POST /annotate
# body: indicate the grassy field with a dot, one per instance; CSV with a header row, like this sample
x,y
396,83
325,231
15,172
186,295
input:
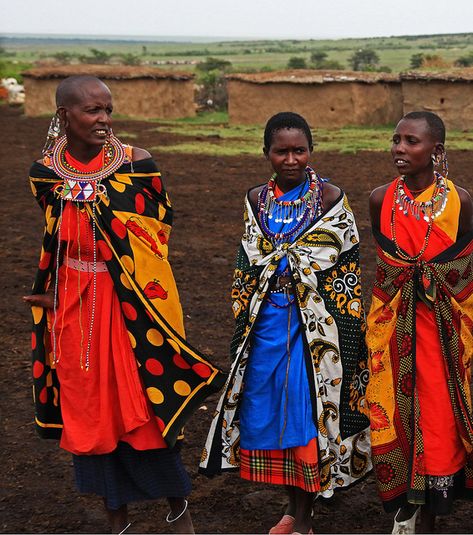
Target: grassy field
x,y
210,133
394,52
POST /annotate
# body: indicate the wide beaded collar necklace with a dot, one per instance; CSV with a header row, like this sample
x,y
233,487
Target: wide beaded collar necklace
x,y
83,186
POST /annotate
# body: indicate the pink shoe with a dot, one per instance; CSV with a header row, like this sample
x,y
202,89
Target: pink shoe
x,y
310,532
284,526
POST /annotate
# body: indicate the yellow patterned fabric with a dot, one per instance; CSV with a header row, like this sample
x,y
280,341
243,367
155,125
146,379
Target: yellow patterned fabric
x,y
133,224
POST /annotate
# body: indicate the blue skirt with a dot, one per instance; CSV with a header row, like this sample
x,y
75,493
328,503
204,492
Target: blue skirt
x,y
127,475
276,408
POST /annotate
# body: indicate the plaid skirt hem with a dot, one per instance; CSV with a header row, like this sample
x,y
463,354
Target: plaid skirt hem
x,y
280,467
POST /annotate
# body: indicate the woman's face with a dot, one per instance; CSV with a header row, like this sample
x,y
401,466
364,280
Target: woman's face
x,y
413,146
289,155
88,121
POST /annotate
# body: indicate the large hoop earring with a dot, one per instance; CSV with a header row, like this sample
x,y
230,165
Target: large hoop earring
x,y
53,133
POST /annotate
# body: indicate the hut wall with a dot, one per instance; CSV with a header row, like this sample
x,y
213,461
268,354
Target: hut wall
x,y
453,101
39,96
141,98
323,105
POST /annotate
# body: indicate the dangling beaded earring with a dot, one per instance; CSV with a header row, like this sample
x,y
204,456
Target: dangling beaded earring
x,y
53,133
444,164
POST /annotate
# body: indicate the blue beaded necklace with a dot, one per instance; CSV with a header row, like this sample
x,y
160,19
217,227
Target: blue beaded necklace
x,y
302,210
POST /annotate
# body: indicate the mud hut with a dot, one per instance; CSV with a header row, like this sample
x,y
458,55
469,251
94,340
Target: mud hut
x,y
447,93
324,98
141,92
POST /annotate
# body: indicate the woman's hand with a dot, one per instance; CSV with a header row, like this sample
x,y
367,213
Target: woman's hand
x,y
40,300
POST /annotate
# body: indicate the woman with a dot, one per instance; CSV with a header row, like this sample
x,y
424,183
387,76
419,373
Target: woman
x,y
290,412
114,378
420,330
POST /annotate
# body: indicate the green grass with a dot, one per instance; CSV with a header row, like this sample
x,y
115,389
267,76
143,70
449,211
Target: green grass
x,y
394,52
126,135
201,136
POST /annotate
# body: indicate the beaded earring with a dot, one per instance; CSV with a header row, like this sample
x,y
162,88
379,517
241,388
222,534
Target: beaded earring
x,y
444,164
53,133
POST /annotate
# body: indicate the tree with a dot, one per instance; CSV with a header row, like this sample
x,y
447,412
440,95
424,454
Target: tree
x,y
417,61
214,64
98,56
296,63
364,60
317,57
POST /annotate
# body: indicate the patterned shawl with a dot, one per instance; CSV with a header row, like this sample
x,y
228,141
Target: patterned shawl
x,y
132,228
446,282
324,264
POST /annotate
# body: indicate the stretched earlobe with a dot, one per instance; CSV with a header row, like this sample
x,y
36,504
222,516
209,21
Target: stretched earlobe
x,y
53,133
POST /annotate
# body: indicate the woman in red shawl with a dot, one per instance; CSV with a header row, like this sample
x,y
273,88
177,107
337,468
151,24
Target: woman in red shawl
x,y
420,330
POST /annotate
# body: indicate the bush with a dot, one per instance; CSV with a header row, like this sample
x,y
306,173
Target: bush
x,y
13,69
296,63
214,64
318,57
98,56
417,61
364,60
434,61
130,59
465,61
212,90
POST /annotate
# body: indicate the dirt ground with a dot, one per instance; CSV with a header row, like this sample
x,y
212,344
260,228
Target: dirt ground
x,y
37,492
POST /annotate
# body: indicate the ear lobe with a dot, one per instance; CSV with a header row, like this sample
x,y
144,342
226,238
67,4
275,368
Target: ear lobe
x,y
265,152
439,149
62,114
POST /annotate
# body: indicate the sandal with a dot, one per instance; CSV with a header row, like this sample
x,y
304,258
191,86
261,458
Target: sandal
x,y
284,526
405,527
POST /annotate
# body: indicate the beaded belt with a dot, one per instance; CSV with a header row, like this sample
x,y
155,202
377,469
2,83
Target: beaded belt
x,y
81,265
280,284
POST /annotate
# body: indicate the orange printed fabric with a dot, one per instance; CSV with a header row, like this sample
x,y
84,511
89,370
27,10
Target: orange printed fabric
x,y
420,345
133,224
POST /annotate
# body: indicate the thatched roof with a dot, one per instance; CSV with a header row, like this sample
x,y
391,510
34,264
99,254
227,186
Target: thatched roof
x,y
452,75
303,76
107,72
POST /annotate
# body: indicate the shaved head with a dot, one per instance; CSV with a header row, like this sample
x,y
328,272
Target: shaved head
x,y
434,123
72,89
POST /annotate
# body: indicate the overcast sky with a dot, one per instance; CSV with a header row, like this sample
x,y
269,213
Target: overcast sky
x,y
295,19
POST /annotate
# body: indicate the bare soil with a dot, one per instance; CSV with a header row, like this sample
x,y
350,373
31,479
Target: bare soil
x,y
37,492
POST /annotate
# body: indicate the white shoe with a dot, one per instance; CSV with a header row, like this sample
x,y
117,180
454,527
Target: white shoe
x,y
405,527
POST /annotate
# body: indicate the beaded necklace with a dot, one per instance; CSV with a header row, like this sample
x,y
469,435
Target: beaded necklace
x,y
302,210
82,186
429,209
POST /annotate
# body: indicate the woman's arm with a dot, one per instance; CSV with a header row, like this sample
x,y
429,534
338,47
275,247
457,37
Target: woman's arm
x,y
465,224
375,203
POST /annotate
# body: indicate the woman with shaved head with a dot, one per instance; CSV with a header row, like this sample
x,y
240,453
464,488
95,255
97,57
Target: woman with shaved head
x,y
420,330
114,378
